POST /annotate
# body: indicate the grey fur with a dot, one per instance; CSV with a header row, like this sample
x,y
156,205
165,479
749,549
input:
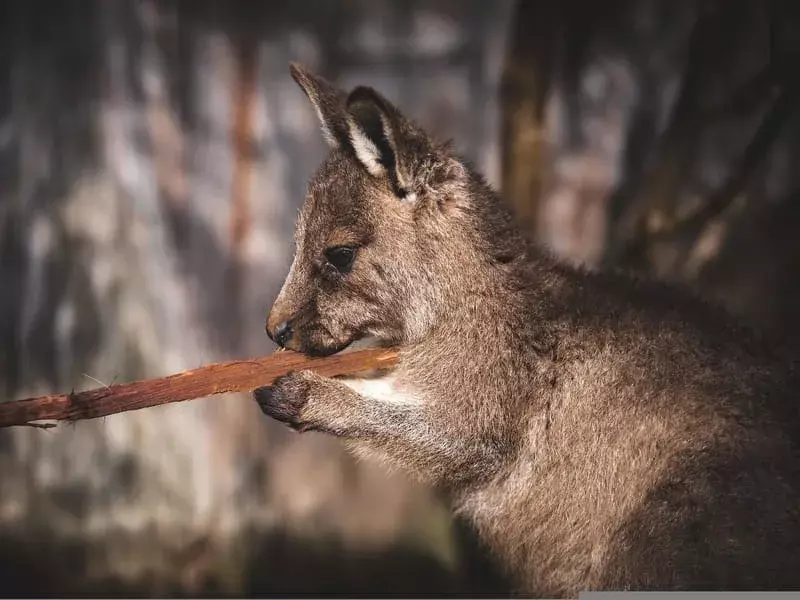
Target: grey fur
x,y
599,431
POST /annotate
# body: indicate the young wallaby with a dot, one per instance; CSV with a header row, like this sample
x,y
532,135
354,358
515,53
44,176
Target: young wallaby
x,y
600,432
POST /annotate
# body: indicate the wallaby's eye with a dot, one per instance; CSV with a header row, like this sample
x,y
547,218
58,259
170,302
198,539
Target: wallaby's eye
x,y
341,258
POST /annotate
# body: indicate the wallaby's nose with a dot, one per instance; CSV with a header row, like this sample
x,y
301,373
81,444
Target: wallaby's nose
x,y
282,334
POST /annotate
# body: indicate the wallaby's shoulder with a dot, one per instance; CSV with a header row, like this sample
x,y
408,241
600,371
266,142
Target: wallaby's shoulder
x,y
613,298
621,301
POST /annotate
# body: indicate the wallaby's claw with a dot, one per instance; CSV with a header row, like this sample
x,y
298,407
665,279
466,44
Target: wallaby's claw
x,y
285,399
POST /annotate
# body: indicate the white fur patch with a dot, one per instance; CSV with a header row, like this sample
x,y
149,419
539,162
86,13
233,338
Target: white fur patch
x,y
387,131
366,151
381,389
410,198
327,134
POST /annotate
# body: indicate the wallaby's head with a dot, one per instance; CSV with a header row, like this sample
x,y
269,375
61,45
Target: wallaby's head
x,y
391,228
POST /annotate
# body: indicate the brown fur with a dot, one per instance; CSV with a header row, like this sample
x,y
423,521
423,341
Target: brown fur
x,y
600,432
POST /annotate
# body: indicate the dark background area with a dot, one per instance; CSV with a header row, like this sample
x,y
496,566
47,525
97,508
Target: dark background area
x,y
153,155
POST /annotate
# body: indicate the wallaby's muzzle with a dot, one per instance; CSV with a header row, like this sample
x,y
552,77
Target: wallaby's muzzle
x,y
281,334
305,332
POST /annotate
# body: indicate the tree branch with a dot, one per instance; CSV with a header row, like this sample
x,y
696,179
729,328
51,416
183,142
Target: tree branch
x,y
209,380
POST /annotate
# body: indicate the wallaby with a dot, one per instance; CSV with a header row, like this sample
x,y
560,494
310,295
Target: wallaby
x,y
600,431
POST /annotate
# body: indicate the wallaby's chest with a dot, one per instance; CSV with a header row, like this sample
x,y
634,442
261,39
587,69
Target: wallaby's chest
x,y
386,388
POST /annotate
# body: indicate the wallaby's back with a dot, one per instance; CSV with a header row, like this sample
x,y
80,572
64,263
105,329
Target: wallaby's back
x,y
666,456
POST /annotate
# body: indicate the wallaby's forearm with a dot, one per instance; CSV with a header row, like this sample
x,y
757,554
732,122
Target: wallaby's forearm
x,y
401,427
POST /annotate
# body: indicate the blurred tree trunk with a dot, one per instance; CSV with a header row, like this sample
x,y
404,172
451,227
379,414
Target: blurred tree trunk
x,y
672,130
524,89
153,156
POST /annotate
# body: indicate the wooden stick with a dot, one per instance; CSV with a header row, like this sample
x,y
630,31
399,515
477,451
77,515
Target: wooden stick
x,y
209,380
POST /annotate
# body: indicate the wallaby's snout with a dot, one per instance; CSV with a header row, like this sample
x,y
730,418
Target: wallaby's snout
x,y
290,310
312,313
281,333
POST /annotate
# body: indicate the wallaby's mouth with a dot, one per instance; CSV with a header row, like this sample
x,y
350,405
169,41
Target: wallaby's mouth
x,y
322,351
363,343
359,342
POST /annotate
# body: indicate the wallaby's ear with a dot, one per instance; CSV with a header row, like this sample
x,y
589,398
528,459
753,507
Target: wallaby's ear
x,y
328,103
377,133
363,124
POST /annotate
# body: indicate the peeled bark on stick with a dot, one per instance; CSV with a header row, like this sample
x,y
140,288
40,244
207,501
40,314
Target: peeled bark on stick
x,y
209,380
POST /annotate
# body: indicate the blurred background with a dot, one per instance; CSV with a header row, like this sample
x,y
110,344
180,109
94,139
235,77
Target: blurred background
x,y
153,155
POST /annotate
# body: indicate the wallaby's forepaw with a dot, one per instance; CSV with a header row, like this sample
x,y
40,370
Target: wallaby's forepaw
x,y
285,399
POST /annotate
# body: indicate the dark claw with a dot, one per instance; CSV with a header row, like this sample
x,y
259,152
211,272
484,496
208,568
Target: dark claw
x,y
283,401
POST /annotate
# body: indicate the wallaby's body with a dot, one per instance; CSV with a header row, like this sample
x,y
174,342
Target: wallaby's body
x,y
599,432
